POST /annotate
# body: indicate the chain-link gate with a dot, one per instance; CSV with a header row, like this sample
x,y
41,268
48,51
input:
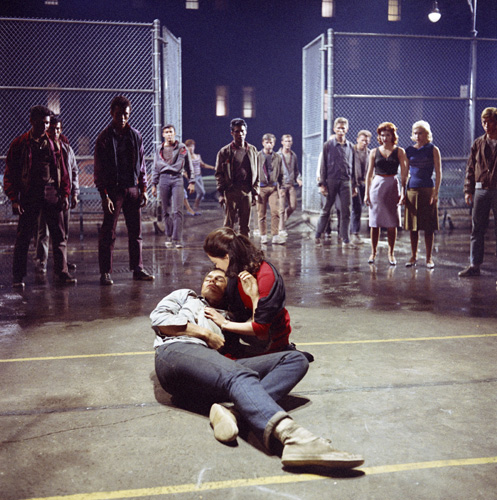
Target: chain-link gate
x,y
373,78
171,60
75,68
312,118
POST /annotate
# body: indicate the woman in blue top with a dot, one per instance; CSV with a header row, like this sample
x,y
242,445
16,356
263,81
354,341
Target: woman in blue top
x,y
421,211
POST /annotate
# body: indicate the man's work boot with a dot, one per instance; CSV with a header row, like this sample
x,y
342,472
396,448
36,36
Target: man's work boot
x,y
301,448
223,421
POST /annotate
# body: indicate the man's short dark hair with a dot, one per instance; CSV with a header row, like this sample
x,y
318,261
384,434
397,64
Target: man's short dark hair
x,y
120,102
39,112
169,125
237,122
214,269
54,119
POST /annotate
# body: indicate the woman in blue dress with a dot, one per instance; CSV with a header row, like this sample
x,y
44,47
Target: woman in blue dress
x,y
421,211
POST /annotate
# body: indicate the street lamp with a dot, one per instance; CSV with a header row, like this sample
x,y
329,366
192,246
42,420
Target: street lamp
x,y
435,15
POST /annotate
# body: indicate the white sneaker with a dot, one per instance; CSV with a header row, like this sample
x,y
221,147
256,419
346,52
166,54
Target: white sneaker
x,y
301,448
256,232
357,240
169,244
264,239
348,244
318,452
223,422
283,234
278,240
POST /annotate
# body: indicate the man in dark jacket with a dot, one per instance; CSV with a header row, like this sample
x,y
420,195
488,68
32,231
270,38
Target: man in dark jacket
x,y
64,154
237,177
337,180
480,188
270,180
37,184
121,180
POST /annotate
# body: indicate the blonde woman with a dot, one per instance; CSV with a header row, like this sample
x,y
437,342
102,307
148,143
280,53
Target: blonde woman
x,y
384,195
421,212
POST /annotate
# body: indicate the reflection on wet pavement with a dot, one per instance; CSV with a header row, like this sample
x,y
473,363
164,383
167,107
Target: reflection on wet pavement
x,y
319,277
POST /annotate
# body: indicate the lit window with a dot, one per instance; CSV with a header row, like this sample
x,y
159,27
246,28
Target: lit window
x,y
248,102
192,4
222,101
327,8
51,2
394,10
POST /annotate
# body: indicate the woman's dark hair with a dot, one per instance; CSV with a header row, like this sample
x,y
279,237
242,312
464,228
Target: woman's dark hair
x,y
243,254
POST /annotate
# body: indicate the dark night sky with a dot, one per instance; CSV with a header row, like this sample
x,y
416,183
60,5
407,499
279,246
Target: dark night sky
x,y
257,43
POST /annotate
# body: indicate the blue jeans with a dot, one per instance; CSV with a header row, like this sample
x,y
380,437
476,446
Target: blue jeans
x,y
343,190
254,385
357,202
484,200
172,193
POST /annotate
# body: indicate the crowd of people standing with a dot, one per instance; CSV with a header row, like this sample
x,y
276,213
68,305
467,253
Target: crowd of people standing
x,y
231,344
41,180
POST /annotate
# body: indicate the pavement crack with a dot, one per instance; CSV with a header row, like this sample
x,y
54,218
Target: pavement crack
x,y
72,429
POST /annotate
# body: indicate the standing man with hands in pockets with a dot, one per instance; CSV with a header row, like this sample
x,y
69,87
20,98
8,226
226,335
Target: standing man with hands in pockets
x,y
480,188
171,159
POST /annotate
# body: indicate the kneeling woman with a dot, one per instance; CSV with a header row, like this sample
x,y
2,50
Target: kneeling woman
x,y
255,295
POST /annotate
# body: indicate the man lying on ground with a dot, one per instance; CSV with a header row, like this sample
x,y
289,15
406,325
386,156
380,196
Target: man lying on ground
x,y
189,364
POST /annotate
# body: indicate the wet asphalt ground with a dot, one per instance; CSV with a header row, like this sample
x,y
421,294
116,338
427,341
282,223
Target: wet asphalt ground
x,y
404,374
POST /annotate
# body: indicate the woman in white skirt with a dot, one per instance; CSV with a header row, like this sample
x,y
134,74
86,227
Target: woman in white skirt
x,y
384,195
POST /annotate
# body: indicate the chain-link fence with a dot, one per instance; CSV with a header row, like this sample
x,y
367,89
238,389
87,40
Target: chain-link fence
x,y
75,68
374,78
312,123
171,60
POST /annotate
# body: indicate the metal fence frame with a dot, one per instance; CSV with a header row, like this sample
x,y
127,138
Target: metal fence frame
x,y
313,75
481,91
145,65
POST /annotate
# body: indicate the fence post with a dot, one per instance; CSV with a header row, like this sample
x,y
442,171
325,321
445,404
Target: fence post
x,y
157,84
472,79
330,86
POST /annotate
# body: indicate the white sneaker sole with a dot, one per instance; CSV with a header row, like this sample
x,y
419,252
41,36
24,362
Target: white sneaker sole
x,y
337,460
